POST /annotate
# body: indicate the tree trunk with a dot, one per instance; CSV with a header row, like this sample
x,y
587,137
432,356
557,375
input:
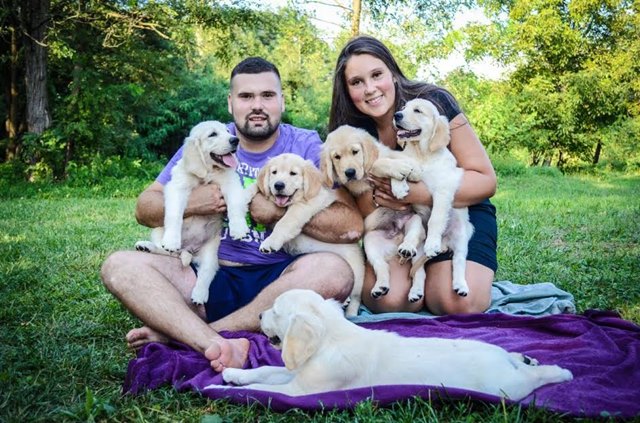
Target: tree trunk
x,y
36,16
355,17
596,155
12,87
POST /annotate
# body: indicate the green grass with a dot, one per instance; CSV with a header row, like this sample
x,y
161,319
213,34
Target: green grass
x,y
62,351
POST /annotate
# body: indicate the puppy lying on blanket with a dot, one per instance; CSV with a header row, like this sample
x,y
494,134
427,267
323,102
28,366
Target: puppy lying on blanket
x,y
323,351
294,183
348,155
207,158
423,134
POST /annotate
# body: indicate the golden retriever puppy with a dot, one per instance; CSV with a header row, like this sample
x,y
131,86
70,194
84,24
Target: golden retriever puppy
x,y
294,183
348,155
423,134
208,157
322,351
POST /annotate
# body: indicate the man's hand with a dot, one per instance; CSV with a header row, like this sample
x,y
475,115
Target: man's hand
x,y
204,200
264,211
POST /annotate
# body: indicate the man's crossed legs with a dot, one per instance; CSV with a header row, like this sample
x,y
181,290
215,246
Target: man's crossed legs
x,y
157,289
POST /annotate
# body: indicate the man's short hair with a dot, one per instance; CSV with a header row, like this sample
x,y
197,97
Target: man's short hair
x,y
253,65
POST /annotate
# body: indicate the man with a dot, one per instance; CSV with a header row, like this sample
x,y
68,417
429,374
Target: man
x,y
157,288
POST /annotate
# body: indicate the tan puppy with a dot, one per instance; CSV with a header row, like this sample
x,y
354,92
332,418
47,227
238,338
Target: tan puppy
x,y
423,134
323,352
348,155
208,157
294,183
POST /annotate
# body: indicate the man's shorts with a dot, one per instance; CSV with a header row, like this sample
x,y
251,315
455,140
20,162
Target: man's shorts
x,y
234,287
484,242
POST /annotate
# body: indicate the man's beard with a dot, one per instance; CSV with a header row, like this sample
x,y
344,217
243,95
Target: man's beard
x,y
257,134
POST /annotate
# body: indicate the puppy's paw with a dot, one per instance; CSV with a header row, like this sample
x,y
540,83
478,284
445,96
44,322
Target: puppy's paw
x,y
200,294
146,246
432,249
346,303
415,294
171,245
239,230
352,307
461,288
399,188
407,251
401,170
269,245
380,289
234,376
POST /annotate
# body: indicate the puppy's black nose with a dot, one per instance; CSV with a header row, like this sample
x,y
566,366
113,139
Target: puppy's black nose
x,y
260,316
397,115
234,141
350,173
279,185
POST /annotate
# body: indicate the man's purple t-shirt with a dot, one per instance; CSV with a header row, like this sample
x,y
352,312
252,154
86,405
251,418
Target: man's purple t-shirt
x,y
303,142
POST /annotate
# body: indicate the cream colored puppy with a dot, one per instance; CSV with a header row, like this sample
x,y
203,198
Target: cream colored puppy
x,y
208,157
322,351
294,183
348,155
423,134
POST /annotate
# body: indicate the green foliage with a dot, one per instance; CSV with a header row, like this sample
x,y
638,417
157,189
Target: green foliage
x,y
129,79
573,81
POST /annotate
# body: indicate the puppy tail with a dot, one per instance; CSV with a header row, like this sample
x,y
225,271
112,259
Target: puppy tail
x,y
417,265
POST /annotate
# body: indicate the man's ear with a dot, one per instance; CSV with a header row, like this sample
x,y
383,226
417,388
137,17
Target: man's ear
x,y
304,336
441,135
194,161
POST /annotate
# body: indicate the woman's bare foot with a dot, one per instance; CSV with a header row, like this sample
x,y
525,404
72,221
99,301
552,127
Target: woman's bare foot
x,y
227,353
139,337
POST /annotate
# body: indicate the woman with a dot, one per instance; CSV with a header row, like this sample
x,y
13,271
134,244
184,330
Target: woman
x,y
368,89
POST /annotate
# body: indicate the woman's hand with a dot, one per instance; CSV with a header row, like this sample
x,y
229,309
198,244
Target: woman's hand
x,y
383,196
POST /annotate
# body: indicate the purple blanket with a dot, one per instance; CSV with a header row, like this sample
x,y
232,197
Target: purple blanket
x,y
601,349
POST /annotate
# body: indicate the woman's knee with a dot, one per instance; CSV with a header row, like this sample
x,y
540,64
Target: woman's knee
x,y
440,298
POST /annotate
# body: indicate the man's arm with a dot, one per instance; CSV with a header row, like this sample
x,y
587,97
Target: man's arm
x,y
340,223
203,200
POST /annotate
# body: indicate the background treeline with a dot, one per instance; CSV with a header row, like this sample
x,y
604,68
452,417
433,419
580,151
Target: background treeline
x,y
102,87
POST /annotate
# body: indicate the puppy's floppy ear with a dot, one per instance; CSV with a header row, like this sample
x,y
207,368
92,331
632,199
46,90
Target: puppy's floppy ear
x,y
193,156
262,181
303,337
326,168
441,135
370,151
312,180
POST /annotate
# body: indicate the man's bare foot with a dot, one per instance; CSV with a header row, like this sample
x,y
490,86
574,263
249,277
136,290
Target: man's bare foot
x,y
227,353
139,337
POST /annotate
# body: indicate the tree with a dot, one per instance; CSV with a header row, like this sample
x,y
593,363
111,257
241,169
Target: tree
x,y
567,54
35,19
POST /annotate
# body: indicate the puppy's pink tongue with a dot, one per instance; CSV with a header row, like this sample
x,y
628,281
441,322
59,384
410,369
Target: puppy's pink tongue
x,y
230,160
282,200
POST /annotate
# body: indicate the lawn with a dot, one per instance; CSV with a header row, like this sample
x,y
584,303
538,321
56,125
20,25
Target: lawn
x,y
62,351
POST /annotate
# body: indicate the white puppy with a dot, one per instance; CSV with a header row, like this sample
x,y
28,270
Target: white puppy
x,y
322,352
208,157
294,183
423,134
348,155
